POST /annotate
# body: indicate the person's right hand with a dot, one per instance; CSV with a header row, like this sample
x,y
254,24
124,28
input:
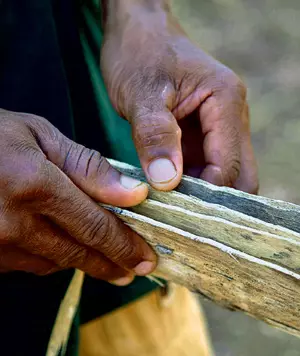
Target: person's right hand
x,y
49,218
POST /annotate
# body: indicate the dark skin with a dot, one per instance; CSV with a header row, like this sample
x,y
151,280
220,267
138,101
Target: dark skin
x,y
188,114
49,218
176,97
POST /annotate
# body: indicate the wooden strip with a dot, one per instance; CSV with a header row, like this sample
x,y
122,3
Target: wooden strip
x,y
57,345
239,250
271,211
223,274
199,206
284,251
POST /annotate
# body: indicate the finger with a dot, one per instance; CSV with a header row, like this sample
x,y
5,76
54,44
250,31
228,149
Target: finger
x,y
157,139
248,179
50,242
221,126
15,259
90,171
92,226
76,213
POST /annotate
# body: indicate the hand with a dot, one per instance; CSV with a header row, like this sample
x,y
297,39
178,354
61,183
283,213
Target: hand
x,y
188,111
49,219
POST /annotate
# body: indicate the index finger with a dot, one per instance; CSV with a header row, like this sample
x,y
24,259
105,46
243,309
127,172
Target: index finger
x,y
93,226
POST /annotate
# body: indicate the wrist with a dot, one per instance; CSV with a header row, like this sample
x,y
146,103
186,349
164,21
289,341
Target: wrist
x,y
119,12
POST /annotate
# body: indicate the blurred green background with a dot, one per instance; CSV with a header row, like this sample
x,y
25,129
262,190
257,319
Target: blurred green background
x,y
260,40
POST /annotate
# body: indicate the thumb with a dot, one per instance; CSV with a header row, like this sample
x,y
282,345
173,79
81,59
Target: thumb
x,y
89,170
157,139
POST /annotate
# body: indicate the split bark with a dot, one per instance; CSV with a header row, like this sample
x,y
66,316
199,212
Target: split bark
x,y
239,250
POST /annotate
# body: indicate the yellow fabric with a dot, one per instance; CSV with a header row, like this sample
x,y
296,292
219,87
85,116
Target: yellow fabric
x,y
155,325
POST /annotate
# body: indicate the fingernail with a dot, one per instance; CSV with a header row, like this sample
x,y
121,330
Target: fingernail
x,y
216,177
123,281
161,170
129,183
144,268
213,175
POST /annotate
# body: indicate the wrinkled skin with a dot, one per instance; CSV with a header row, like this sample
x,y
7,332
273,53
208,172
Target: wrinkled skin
x,y
48,220
188,114
182,104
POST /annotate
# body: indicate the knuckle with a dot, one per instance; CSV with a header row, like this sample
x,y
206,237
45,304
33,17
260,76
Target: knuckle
x,y
236,85
100,232
122,250
73,257
23,175
154,139
105,235
30,119
19,117
241,89
80,159
102,165
41,129
128,254
71,154
157,132
36,180
234,171
142,82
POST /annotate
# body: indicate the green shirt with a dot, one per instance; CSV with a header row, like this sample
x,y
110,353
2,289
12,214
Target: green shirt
x,y
49,66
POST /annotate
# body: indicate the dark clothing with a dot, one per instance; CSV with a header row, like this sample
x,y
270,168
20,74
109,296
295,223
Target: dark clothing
x,y
49,66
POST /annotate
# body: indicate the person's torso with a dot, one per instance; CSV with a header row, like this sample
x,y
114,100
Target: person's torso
x,y
49,66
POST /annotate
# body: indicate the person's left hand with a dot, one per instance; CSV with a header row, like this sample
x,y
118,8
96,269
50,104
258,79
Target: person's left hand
x,y
188,111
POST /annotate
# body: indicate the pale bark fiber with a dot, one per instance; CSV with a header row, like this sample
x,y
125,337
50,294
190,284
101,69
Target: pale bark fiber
x,y
239,250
